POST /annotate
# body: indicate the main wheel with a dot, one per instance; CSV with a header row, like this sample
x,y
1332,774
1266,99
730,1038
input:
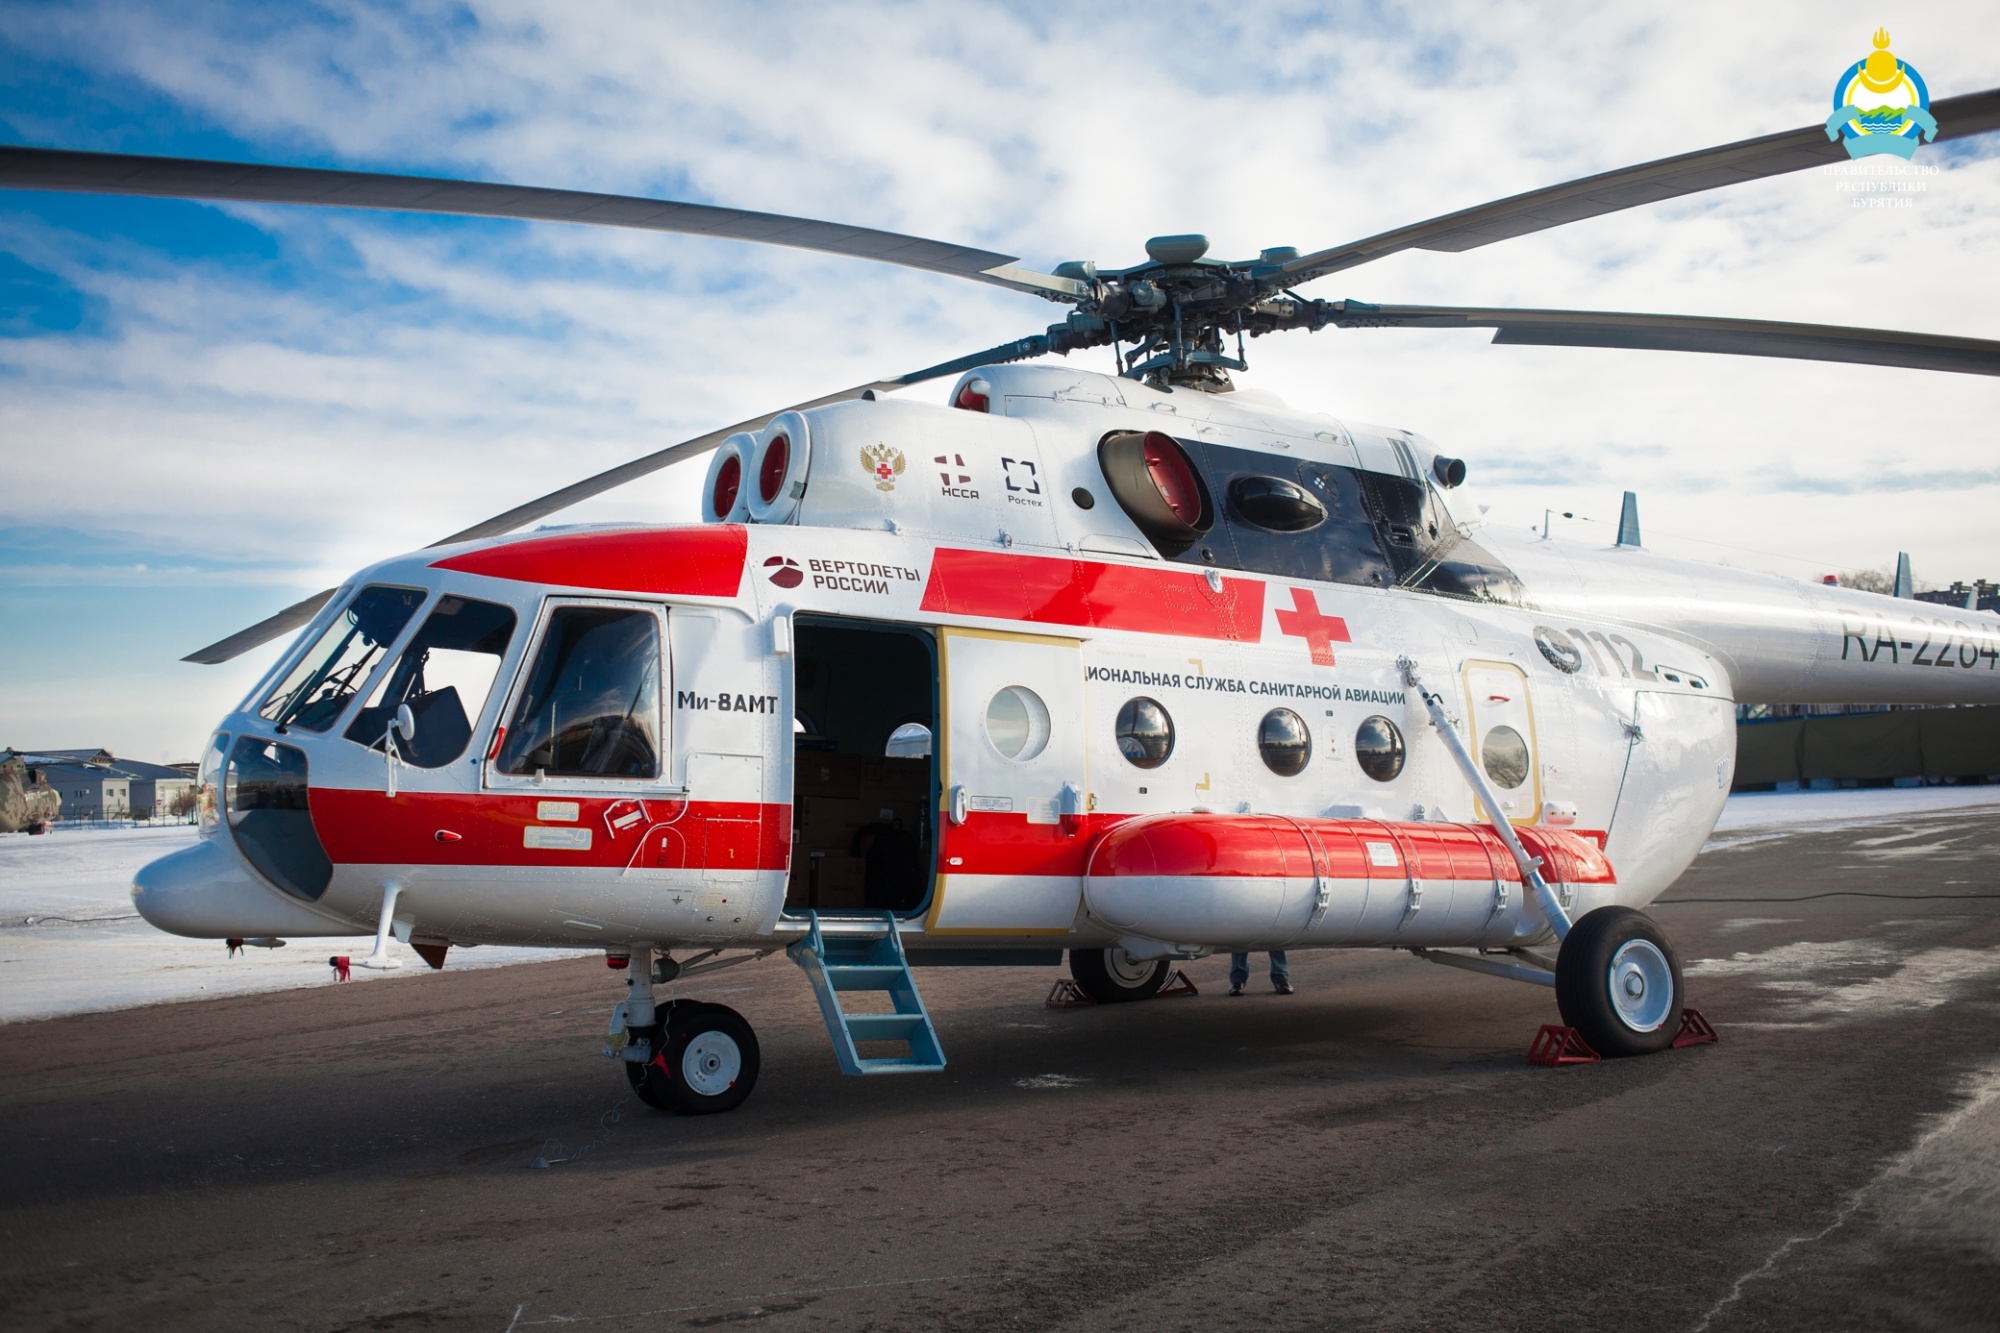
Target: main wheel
x,y
1112,976
1619,983
706,1062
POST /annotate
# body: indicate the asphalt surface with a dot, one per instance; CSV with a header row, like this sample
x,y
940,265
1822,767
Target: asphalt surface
x,y
1372,1152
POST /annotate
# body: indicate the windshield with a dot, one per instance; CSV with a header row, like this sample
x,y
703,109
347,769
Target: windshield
x,y
444,676
314,692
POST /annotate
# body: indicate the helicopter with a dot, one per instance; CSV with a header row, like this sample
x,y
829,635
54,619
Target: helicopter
x,y
1120,667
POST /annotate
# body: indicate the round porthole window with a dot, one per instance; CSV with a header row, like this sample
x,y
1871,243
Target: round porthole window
x,y
1145,733
1378,748
1284,743
1017,722
1504,755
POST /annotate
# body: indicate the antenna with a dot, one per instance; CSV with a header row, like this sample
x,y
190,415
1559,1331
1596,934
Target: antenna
x,y
1628,521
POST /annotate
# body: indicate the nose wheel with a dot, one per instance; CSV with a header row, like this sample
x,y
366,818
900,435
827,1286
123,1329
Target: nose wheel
x,y
705,1062
1619,983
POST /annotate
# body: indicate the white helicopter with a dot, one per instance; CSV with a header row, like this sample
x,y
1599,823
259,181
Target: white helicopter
x,y
1131,666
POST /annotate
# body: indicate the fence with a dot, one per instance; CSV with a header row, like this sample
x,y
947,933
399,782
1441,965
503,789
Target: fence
x,y
1933,743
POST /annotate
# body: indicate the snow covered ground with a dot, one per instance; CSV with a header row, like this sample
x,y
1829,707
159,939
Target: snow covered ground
x,y
1820,809
70,941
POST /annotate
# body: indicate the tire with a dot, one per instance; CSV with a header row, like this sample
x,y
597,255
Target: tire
x,y
1610,973
1111,976
706,1062
648,1085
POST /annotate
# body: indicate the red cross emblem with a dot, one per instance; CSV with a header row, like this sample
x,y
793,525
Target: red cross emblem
x,y
1320,632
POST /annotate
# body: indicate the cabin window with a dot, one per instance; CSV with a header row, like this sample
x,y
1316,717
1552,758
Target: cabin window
x,y
1378,748
315,691
1017,723
591,707
444,676
1284,743
1504,756
1145,732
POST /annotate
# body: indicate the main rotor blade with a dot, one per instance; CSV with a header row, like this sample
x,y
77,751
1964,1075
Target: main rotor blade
x,y
1611,191
292,617
1688,333
577,492
244,182
243,640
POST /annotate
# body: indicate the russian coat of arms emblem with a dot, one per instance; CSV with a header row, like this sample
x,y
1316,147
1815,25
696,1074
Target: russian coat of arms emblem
x,y
884,464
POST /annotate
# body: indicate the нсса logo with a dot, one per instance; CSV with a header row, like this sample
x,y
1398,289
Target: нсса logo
x,y
884,464
962,489
1880,105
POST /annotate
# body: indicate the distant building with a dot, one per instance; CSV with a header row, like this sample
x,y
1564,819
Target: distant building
x,y
1986,595
97,785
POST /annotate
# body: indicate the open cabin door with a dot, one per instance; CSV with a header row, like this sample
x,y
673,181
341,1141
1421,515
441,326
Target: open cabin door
x,y
1011,861
863,799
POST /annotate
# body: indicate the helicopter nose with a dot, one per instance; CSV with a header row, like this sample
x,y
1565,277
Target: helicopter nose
x,y
205,892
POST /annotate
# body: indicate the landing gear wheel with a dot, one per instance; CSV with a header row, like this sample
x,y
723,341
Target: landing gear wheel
x,y
1619,983
706,1061
1112,976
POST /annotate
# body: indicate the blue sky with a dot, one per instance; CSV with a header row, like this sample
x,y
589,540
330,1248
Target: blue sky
x,y
207,412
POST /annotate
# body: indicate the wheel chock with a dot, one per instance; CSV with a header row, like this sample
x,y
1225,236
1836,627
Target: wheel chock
x,y
1695,1030
1556,1045
1067,995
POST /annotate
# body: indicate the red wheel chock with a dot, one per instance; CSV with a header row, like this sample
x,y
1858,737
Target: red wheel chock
x,y
1695,1030
1557,1045
1066,994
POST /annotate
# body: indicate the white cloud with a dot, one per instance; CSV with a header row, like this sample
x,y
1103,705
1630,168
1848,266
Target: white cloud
x,y
375,382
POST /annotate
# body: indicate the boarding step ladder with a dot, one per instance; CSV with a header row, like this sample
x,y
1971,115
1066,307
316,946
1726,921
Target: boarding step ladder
x,y
843,964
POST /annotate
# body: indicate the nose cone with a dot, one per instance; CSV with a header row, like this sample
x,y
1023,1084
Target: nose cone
x,y
206,892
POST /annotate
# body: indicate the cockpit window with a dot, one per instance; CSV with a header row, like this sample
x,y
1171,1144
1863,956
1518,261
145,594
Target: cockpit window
x,y
444,676
316,690
1335,524
1425,546
591,707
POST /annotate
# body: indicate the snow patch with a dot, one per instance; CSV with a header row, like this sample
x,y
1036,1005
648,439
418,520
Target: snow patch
x,y
1817,981
71,943
1837,809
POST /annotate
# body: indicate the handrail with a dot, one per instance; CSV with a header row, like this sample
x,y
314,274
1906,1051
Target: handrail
x,y
1551,906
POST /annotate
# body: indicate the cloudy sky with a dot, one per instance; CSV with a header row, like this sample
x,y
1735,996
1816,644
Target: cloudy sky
x,y
207,412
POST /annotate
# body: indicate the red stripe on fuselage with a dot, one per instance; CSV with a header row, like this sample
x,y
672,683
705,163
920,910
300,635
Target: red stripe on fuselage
x,y
369,828
1007,844
699,562
1047,590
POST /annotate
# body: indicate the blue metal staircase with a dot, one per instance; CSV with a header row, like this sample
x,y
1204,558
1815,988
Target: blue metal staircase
x,y
837,965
